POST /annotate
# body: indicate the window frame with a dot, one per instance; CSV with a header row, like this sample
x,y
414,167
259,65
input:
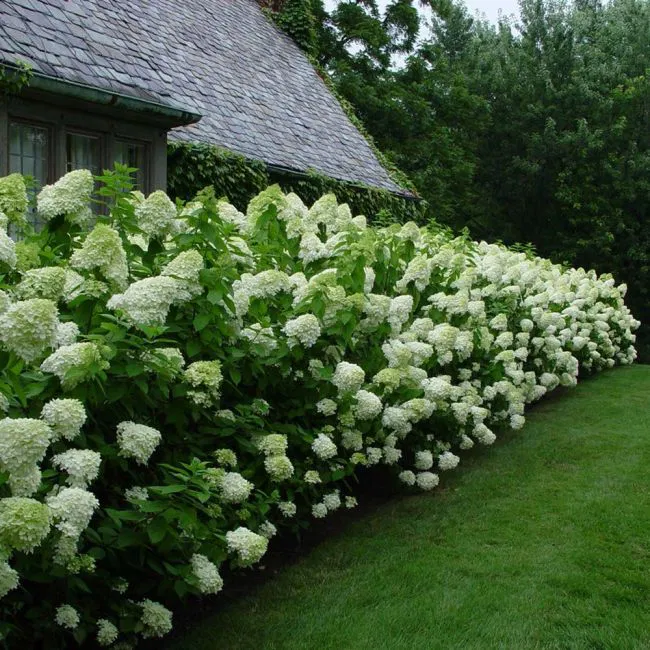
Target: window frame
x,y
61,120
146,169
39,124
86,133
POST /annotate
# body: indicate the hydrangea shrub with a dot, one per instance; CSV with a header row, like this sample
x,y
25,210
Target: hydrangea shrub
x,y
179,382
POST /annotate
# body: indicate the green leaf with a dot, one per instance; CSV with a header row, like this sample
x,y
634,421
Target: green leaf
x,y
181,588
167,489
128,538
202,321
157,530
193,347
134,369
235,375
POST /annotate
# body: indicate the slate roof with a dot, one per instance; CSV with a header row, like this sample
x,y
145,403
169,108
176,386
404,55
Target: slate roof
x,y
257,92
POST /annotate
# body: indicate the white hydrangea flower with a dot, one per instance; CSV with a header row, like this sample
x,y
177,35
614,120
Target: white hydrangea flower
x,y
13,199
76,285
326,407
102,250
107,633
155,215
274,444
391,455
156,619
351,502
231,214
369,279
47,282
368,405
67,616
304,329
418,272
73,509
352,439
483,434
234,488
278,467
69,196
260,406
427,480
82,466
65,418
423,460
166,361
407,477
517,421
186,269
207,574
84,358
348,377
332,501
312,477
443,338
205,379
24,524
396,419
437,388
148,301
267,529
8,578
447,460
263,337
137,441
287,508
499,322
400,312
136,493
319,510
312,249
226,414
23,443
418,409
249,546
66,334
323,447
28,327
373,455
4,301
466,442
504,340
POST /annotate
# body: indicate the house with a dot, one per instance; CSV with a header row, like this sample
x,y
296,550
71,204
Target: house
x,y
113,81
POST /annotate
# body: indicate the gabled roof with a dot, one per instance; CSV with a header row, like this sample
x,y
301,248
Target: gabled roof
x,y
257,92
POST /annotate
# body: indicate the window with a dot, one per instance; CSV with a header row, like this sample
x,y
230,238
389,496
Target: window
x,y
83,151
133,154
46,141
29,151
29,154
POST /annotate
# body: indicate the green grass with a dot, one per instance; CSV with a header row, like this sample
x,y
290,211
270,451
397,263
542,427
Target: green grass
x,y
542,541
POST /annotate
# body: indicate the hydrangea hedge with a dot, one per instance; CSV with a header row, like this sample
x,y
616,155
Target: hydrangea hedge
x,y
179,382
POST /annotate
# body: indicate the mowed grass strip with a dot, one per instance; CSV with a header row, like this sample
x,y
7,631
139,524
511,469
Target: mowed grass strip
x,y
542,541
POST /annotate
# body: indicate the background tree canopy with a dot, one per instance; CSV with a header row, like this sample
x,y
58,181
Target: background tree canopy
x,y
536,132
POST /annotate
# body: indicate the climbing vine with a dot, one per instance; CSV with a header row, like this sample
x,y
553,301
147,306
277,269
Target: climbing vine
x,y
14,77
191,167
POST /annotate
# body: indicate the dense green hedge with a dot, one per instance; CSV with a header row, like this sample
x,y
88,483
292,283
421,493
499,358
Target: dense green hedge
x,y
192,167
178,383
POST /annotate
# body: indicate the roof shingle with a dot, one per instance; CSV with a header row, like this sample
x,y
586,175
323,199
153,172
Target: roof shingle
x,y
258,94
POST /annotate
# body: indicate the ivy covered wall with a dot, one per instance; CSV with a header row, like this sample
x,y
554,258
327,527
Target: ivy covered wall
x,y
191,167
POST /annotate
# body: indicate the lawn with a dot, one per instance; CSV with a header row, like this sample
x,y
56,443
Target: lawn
x,y
542,541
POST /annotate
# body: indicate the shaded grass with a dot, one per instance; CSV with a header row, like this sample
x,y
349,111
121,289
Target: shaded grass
x,y
542,541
